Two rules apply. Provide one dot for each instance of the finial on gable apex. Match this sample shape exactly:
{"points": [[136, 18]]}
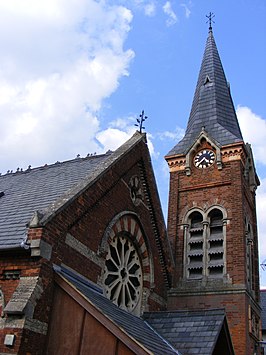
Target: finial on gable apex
{"points": [[140, 121]]}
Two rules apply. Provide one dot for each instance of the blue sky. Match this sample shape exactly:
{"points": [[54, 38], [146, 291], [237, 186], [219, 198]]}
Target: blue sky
{"points": [[75, 75]]}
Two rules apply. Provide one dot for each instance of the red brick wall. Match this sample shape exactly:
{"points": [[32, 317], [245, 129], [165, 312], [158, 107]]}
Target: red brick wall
{"points": [[228, 188], [236, 312], [86, 219]]}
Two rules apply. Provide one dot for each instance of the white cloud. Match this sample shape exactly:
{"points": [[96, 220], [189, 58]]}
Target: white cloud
{"points": [[187, 9], [119, 132], [59, 60], [261, 208], [172, 18], [253, 128], [112, 138], [175, 135], [150, 9]]}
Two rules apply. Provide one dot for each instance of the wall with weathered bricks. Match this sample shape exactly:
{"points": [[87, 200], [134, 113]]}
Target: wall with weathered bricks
{"points": [[230, 189], [84, 220]]}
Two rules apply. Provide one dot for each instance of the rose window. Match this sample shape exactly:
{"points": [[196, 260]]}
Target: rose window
{"points": [[123, 274]]}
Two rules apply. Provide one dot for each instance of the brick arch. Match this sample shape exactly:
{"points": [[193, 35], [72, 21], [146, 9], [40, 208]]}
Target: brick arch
{"points": [[189, 211], [205, 209], [220, 204], [128, 223], [217, 207]]}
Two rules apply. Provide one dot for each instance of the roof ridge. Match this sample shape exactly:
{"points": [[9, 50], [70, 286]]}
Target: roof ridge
{"points": [[84, 183], [60, 183], [210, 310], [45, 166]]}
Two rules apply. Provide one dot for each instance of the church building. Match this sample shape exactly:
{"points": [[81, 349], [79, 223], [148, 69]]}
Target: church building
{"points": [[87, 265]]}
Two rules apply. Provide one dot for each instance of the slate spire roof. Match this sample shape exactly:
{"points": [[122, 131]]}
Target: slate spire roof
{"points": [[212, 106]]}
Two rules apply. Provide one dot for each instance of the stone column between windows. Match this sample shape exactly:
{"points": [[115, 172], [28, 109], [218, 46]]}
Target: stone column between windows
{"points": [[205, 248], [225, 220], [185, 269]]}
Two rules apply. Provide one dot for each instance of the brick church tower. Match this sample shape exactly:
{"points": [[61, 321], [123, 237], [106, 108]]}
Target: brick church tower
{"points": [[212, 213]]}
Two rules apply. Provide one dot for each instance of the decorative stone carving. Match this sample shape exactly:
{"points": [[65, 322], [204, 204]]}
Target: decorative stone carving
{"points": [[135, 190], [123, 274]]}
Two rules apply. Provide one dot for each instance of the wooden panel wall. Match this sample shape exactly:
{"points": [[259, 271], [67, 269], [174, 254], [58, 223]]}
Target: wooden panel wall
{"points": [[73, 331]]}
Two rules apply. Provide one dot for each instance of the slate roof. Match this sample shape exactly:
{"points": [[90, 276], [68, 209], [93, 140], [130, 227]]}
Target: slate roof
{"points": [[191, 332], [263, 308], [132, 325], [175, 332], [32, 190], [46, 189], [212, 106]]}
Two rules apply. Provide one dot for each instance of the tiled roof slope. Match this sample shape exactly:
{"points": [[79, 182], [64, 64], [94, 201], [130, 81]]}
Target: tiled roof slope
{"points": [[46, 189], [134, 326], [212, 105], [191, 332], [32, 190], [263, 308]]}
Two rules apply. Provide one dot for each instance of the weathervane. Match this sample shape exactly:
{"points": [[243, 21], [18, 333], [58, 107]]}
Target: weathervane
{"points": [[210, 20], [140, 121]]}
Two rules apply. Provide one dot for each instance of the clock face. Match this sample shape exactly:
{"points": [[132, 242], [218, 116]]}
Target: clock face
{"points": [[204, 159]]}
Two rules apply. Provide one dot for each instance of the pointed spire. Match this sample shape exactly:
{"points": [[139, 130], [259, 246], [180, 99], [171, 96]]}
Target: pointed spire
{"points": [[212, 105]]}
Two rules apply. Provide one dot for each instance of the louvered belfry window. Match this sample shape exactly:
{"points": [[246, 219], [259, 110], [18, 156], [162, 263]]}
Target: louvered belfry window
{"points": [[215, 244], [205, 243], [195, 250]]}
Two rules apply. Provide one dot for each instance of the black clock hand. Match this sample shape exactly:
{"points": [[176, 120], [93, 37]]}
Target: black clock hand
{"points": [[200, 161]]}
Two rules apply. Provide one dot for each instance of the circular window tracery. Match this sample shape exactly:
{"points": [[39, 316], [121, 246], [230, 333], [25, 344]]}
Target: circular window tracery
{"points": [[123, 274]]}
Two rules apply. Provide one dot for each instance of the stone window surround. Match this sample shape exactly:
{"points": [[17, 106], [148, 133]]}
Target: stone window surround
{"points": [[123, 273], [128, 223]]}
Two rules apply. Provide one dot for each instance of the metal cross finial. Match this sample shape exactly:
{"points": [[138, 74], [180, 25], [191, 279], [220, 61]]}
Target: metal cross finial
{"points": [[140, 121], [210, 20]]}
